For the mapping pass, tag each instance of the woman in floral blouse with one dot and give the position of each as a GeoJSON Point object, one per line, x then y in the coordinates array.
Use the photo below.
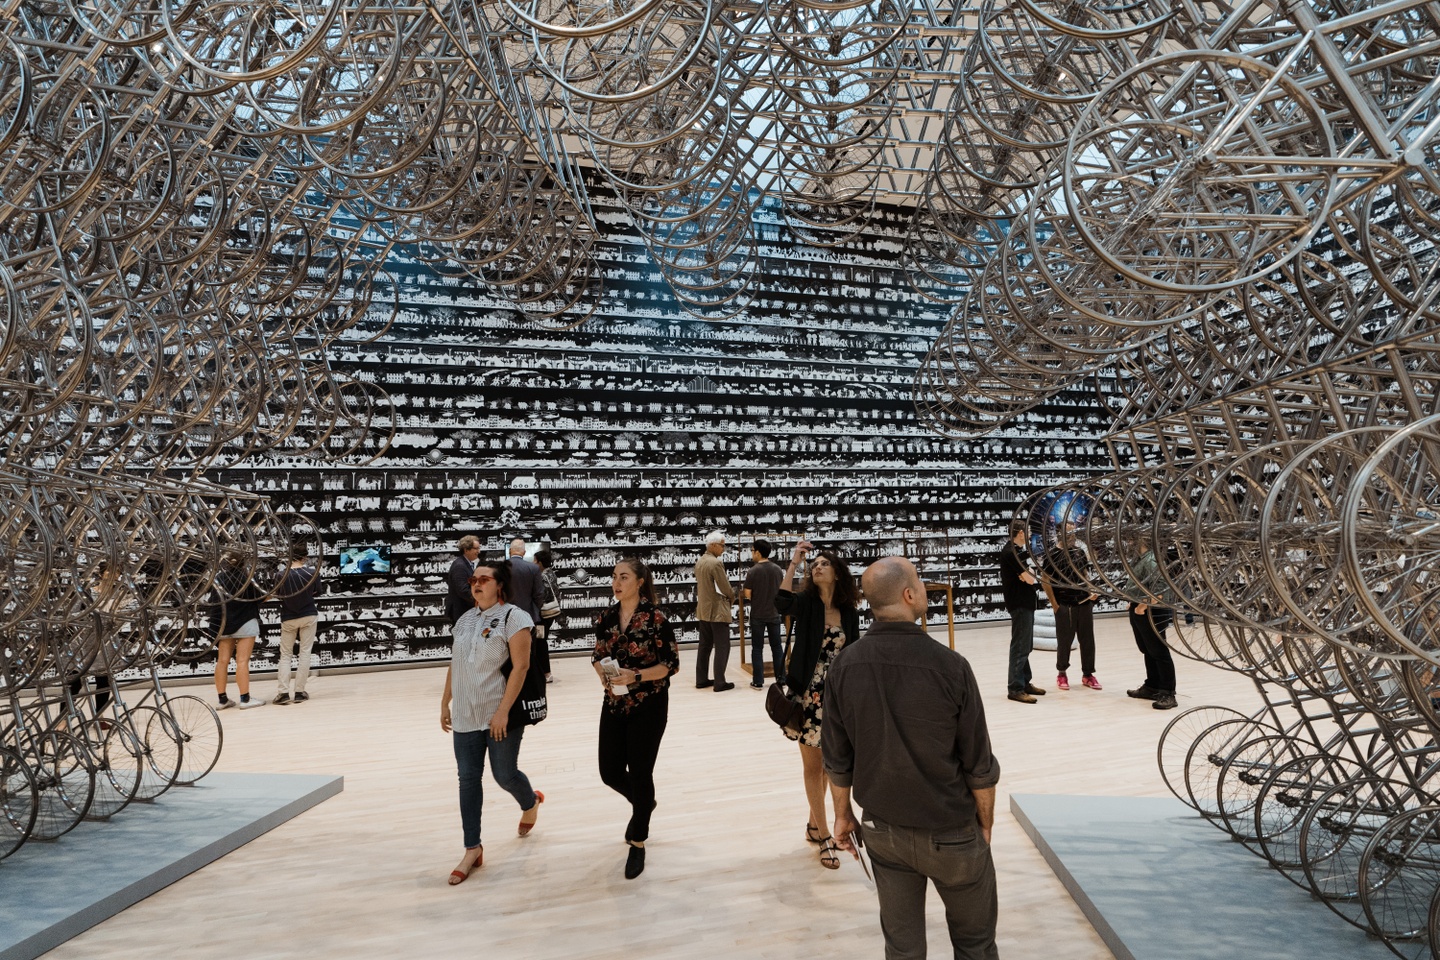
{"type": "Point", "coordinates": [640, 640]}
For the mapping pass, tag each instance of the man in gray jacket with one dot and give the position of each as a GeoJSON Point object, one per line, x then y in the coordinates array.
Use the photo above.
{"type": "Point", "coordinates": [527, 585]}
{"type": "Point", "coordinates": [905, 730]}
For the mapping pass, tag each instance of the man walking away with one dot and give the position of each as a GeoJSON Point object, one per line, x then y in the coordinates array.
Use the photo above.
{"type": "Point", "coordinates": [762, 583]}
{"type": "Point", "coordinates": [298, 617]}
{"type": "Point", "coordinates": [457, 579]}
{"type": "Point", "coordinates": [527, 584]}
{"type": "Point", "coordinates": [1018, 584]}
{"type": "Point", "coordinates": [905, 730]}
{"type": "Point", "coordinates": [713, 598]}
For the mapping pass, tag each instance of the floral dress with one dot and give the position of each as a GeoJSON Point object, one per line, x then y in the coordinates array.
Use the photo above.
{"type": "Point", "coordinates": [812, 700]}
{"type": "Point", "coordinates": [647, 639]}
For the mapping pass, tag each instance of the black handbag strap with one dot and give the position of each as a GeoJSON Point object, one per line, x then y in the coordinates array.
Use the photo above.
{"type": "Point", "coordinates": [784, 664]}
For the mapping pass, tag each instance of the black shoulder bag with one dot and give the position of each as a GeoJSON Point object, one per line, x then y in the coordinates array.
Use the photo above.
{"type": "Point", "coordinates": [532, 706]}
{"type": "Point", "coordinates": [784, 708]}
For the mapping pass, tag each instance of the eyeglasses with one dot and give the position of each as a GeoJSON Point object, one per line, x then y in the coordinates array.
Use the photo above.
{"type": "Point", "coordinates": [480, 578]}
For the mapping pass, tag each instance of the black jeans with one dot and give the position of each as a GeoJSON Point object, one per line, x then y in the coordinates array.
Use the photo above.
{"type": "Point", "coordinates": [958, 862]}
{"type": "Point", "coordinates": [1070, 622]}
{"type": "Point", "coordinates": [1150, 638]}
{"type": "Point", "coordinates": [759, 627]}
{"type": "Point", "coordinates": [544, 654]}
{"type": "Point", "coordinates": [713, 636]}
{"type": "Point", "coordinates": [1022, 641]}
{"type": "Point", "coordinates": [629, 744]}
{"type": "Point", "coordinates": [102, 690]}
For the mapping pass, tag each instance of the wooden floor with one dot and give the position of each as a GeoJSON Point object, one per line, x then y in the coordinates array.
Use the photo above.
{"type": "Point", "coordinates": [728, 875]}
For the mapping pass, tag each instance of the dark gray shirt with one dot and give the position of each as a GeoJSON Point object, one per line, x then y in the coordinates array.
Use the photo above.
{"type": "Point", "coordinates": [904, 728]}
{"type": "Point", "coordinates": [763, 582]}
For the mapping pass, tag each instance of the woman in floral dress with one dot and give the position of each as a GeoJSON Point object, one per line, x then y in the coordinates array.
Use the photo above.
{"type": "Point", "coordinates": [823, 619]}
{"type": "Point", "coordinates": [641, 642]}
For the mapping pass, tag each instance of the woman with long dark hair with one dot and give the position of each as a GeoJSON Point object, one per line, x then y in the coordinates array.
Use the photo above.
{"type": "Point", "coordinates": [475, 708]}
{"type": "Point", "coordinates": [824, 617]}
{"type": "Point", "coordinates": [635, 656]}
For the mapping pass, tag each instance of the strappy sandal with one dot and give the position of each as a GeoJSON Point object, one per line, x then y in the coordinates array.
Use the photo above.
{"type": "Point", "coordinates": [525, 828]}
{"type": "Point", "coordinates": [812, 833]}
{"type": "Point", "coordinates": [460, 876]}
{"type": "Point", "coordinates": [829, 854]}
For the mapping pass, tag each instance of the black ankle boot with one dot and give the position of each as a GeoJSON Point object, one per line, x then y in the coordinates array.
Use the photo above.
{"type": "Point", "coordinates": [635, 863]}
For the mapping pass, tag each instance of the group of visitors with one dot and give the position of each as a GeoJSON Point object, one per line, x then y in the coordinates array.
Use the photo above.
{"type": "Point", "coordinates": [236, 625]}
{"type": "Point", "coordinates": [928, 801]}
{"type": "Point", "coordinates": [1067, 566]}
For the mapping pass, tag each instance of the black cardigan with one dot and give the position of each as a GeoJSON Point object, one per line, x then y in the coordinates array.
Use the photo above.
{"type": "Point", "coordinates": [807, 633]}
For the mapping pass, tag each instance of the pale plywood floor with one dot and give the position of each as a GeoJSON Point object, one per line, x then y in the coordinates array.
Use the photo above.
{"type": "Point", "coordinates": [729, 874]}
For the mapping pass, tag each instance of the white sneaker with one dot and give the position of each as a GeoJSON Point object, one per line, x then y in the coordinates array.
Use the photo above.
{"type": "Point", "coordinates": [252, 702]}
{"type": "Point", "coordinates": [224, 704]}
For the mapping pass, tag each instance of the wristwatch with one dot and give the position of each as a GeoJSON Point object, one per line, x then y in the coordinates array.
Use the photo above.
{"type": "Point", "coordinates": [637, 677]}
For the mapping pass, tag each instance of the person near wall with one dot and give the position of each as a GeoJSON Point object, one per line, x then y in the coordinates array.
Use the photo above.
{"type": "Point", "coordinates": [235, 620]}
{"type": "Point", "coordinates": [762, 584]}
{"type": "Point", "coordinates": [549, 608]}
{"type": "Point", "coordinates": [110, 602]}
{"type": "Point", "coordinates": [1067, 565]}
{"type": "Point", "coordinates": [635, 639]}
{"type": "Point", "coordinates": [1148, 622]}
{"type": "Point", "coordinates": [824, 619]}
{"type": "Point", "coordinates": [458, 598]}
{"type": "Point", "coordinates": [299, 615]}
{"type": "Point", "coordinates": [527, 584]}
{"type": "Point", "coordinates": [475, 707]}
{"type": "Point", "coordinates": [905, 738]}
{"type": "Point", "coordinates": [1018, 585]}
{"type": "Point", "coordinates": [713, 599]}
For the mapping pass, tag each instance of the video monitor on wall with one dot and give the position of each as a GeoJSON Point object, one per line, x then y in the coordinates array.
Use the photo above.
{"type": "Point", "coordinates": [364, 561]}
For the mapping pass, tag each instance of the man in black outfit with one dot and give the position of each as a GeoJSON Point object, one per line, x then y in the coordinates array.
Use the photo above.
{"type": "Point", "coordinates": [905, 729]}
{"type": "Point", "coordinates": [527, 583]}
{"type": "Point", "coordinates": [1148, 622]}
{"type": "Point", "coordinates": [457, 580]}
{"type": "Point", "coordinates": [1021, 601]}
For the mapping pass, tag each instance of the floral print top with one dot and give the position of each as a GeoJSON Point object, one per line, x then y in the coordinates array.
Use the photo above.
{"type": "Point", "coordinates": [646, 640]}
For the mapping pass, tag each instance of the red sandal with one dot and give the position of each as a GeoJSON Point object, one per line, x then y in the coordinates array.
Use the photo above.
{"type": "Point", "coordinates": [525, 828]}
{"type": "Point", "coordinates": [460, 876]}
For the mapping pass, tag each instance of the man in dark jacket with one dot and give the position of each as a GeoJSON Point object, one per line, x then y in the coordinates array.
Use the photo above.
{"type": "Point", "coordinates": [527, 582]}
{"type": "Point", "coordinates": [1018, 584]}
{"type": "Point", "coordinates": [905, 729]}
{"type": "Point", "coordinates": [457, 581]}
{"type": "Point", "coordinates": [299, 615]}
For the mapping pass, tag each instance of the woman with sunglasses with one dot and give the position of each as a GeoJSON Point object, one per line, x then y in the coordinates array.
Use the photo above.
{"type": "Point", "coordinates": [638, 642]}
{"type": "Point", "coordinates": [475, 708]}
{"type": "Point", "coordinates": [823, 619]}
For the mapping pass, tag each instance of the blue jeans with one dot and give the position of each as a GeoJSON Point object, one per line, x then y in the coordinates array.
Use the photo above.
{"type": "Point", "coordinates": [1022, 641]}
{"type": "Point", "coordinates": [759, 627]}
{"type": "Point", "coordinates": [906, 860]}
{"type": "Point", "coordinates": [470, 750]}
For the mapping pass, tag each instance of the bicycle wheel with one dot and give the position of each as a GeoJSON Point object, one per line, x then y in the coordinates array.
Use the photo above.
{"type": "Point", "coordinates": [1335, 833]}
{"type": "Point", "coordinates": [115, 751]}
{"type": "Point", "coordinates": [201, 734]}
{"type": "Point", "coordinates": [1178, 737]}
{"type": "Point", "coordinates": [1206, 758]}
{"type": "Point", "coordinates": [1290, 791]}
{"type": "Point", "coordinates": [19, 802]}
{"type": "Point", "coordinates": [65, 777]}
{"type": "Point", "coordinates": [162, 747]}
{"type": "Point", "coordinates": [1399, 873]}
{"type": "Point", "coordinates": [1245, 772]}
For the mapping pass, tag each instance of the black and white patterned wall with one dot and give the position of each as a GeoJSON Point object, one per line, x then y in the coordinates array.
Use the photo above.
{"type": "Point", "coordinates": [644, 428]}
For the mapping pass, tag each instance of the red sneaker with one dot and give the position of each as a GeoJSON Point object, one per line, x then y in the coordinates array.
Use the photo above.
{"type": "Point", "coordinates": [1091, 682]}
{"type": "Point", "coordinates": [1062, 682]}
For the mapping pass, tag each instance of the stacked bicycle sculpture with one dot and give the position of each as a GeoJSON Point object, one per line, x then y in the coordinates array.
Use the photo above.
{"type": "Point", "coordinates": [1228, 216]}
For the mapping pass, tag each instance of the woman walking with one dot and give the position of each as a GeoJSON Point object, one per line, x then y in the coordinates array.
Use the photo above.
{"type": "Point", "coordinates": [638, 642]}
{"type": "Point", "coordinates": [235, 619]}
{"type": "Point", "coordinates": [823, 619]}
{"type": "Point", "coordinates": [475, 708]}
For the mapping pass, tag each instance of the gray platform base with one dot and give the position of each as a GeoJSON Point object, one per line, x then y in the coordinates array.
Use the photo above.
{"type": "Point", "coordinates": [50, 892]}
{"type": "Point", "coordinates": [1159, 883]}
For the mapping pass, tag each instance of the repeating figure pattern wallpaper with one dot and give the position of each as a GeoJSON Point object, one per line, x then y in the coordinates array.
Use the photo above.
{"type": "Point", "coordinates": [644, 428]}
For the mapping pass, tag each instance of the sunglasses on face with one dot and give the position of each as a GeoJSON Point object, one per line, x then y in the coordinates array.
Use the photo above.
{"type": "Point", "coordinates": [480, 578]}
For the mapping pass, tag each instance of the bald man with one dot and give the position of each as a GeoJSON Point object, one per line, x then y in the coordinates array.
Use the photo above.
{"type": "Point", "coordinates": [527, 586]}
{"type": "Point", "coordinates": [904, 730]}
